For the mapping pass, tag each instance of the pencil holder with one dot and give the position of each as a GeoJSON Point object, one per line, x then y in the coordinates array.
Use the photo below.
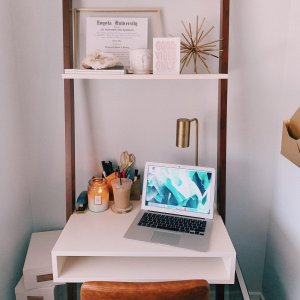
{"type": "Point", "coordinates": [136, 190]}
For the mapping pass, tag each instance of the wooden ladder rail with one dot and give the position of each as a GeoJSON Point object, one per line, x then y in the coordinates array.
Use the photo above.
{"type": "Point", "coordinates": [69, 121]}
{"type": "Point", "coordinates": [69, 109]}
{"type": "Point", "coordinates": [222, 121]}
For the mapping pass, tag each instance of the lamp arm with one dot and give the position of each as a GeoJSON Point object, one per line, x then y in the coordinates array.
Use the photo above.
{"type": "Point", "coordinates": [197, 129]}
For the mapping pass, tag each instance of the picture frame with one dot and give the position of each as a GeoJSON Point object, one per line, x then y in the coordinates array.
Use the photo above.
{"type": "Point", "coordinates": [80, 16]}
{"type": "Point", "coordinates": [166, 55]}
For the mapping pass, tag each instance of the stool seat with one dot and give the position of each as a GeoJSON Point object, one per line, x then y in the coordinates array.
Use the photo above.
{"type": "Point", "coordinates": [166, 290]}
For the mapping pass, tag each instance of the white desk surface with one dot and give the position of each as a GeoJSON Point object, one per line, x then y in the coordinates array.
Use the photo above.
{"type": "Point", "coordinates": [92, 247]}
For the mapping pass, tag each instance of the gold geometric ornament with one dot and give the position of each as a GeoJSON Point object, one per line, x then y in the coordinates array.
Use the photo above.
{"type": "Point", "coordinates": [193, 47]}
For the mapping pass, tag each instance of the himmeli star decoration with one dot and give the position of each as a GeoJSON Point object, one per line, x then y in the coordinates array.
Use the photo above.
{"type": "Point", "coordinates": [193, 48]}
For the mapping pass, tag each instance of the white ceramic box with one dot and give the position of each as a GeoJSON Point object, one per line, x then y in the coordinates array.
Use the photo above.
{"type": "Point", "coordinates": [51, 292]}
{"type": "Point", "coordinates": [37, 270]}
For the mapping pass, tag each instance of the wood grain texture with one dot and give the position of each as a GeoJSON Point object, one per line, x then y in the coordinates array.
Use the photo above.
{"type": "Point", "coordinates": [69, 110]}
{"type": "Point", "coordinates": [222, 121]}
{"type": "Point", "coordinates": [222, 110]}
{"type": "Point", "coordinates": [168, 290]}
{"type": "Point", "coordinates": [69, 121]}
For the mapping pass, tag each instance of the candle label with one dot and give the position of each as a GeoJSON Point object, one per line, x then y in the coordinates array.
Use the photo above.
{"type": "Point", "coordinates": [98, 200]}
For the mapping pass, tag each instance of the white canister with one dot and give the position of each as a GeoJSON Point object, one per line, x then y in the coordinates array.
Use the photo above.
{"type": "Point", "coordinates": [140, 61]}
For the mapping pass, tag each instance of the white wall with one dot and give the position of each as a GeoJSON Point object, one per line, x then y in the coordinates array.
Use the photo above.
{"type": "Point", "coordinates": [31, 129]}
{"type": "Point", "coordinates": [264, 90]}
{"type": "Point", "coordinates": [15, 212]}
{"type": "Point", "coordinates": [38, 27]}
{"type": "Point", "coordinates": [283, 244]}
{"type": "Point", "coordinates": [256, 63]}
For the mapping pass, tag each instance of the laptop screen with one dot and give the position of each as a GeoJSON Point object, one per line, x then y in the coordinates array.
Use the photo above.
{"type": "Point", "coordinates": [179, 189]}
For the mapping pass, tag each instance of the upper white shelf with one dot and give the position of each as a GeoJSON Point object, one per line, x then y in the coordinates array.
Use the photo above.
{"type": "Point", "coordinates": [75, 75]}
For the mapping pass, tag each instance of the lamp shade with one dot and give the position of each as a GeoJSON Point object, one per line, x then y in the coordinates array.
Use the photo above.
{"type": "Point", "coordinates": [183, 133]}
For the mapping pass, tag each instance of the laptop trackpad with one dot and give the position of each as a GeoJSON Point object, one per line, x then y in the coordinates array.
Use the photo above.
{"type": "Point", "coordinates": [163, 237]}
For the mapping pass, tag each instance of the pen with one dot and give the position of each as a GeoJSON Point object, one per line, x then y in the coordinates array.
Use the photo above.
{"type": "Point", "coordinates": [135, 177]}
{"type": "Point", "coordinates": [110, 167]}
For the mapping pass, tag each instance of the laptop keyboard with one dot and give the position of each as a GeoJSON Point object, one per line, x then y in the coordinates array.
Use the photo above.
{"type": "Point", "coordinates": [173, 223]}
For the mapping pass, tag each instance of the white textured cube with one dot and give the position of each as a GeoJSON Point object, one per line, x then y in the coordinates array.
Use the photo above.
{"type": "Point", "coordinates": [37, 270]}
{"type": "Point", "coordinates": [50, 292]}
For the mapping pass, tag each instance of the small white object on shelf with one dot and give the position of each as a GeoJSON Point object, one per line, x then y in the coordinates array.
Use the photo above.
{"type": "Point", "coordinates": [140, 61]}
{"type": "Point", "coordinates": [99, 60]}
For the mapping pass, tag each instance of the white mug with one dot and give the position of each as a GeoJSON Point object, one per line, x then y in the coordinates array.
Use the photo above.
{"type": "Point", "coordinates": [140, 61]}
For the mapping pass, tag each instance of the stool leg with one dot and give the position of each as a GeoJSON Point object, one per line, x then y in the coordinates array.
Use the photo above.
{"type": "Point", "coordinates": [72, 291]}
{"type": "Point", "coordinates": [220, 290]}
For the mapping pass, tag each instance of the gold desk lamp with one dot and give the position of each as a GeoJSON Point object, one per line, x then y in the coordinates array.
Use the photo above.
{"type": "Point", "coordinates": [183, 134]}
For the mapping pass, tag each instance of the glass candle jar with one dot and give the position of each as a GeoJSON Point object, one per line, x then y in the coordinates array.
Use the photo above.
{"type": "Point", "coordinates": [98, 195]}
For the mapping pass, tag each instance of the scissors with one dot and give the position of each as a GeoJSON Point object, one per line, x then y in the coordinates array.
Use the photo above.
{"type": "Point", "coordinates": [126, 160]}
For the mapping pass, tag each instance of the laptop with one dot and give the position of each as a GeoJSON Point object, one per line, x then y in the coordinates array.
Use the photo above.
{"type": "Point", "coordinates": [176, 207]}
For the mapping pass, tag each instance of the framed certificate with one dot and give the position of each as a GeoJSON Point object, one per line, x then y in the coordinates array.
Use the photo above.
{"type": "Point", "coordinates": [116, 36]}
{"type": "Point", "coordinates": [114, 30]}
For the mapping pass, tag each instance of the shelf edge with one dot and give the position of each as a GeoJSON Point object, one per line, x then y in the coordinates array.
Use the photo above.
{"type": "Point", "coordinates": [145, 77]}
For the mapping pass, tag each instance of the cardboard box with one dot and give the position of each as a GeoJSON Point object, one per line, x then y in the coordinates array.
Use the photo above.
{"type": "Point", "coordinates": [51, 292]}
{"type": "Point", "coordinates": [290, 144]}
{"type": "Point", "coordinates": [37, 270]}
